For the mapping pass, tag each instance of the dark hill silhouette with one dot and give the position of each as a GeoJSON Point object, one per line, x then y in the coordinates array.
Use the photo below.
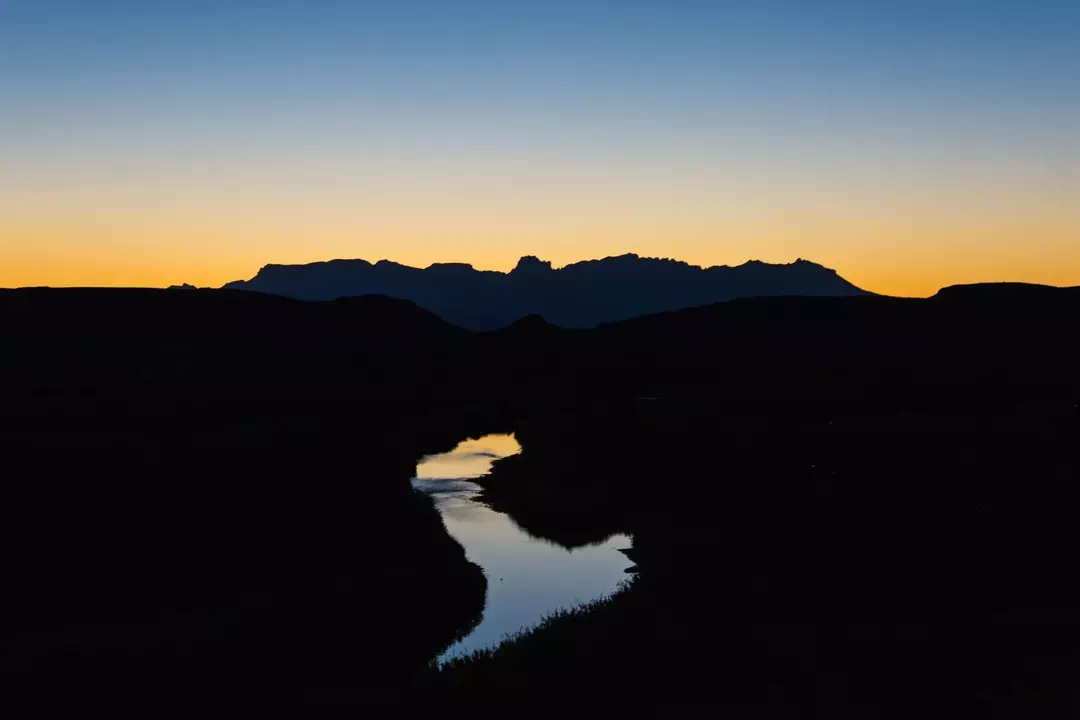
{"type": "Point", "coordinates": [200, 482]}
{"type": "Point", "coordinates": [877, 490]}
{"type": "Point", "coordinates": [849, 501]}
{"type": "Point", "coordinates": [221, 319]}
{"type": "Point", "coordinates": [1007, 292]}
{"type": "Point", "coordinates": [580, 295]}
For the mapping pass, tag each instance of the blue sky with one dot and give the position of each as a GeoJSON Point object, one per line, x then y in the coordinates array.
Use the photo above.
{"type": "Point", "coordinates": [636, 104]}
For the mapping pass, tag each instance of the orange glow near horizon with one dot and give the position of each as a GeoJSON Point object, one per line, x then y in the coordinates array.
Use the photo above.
{"type": "Point", "coordinates": [152, 219]}
{"type": "Point", "coordinates": [907, 148]}
{"type": "Point", "coordinates": [906, 260]}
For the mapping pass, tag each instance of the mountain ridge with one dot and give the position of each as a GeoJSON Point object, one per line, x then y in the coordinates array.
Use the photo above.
{"type": "Point", "coordinates": [581, 294]}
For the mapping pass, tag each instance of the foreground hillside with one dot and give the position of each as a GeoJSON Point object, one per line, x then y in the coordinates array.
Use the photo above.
{"type": "Point", "coordinates": [851, 506]}
{"type": "Point", "coordinates": [840, 507]}
{"type": "Point", "coordinates": [206, 499]}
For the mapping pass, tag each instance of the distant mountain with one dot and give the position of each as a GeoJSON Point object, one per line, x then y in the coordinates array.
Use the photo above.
{"type": "Point", "coordinates": [584, 294]}
{"type": "Point", "coordinates": [1007, 292]}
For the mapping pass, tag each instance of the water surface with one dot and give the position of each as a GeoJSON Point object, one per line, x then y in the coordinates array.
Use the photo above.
{"type": "Point", "coordinates": [528, 577]}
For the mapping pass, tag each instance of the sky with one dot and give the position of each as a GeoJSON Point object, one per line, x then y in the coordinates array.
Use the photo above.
{"type": "Point", "coordinates": [909, 145]}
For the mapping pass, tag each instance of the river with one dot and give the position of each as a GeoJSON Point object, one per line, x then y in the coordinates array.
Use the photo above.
{"type": "Point", "coordinates": [528, 577]}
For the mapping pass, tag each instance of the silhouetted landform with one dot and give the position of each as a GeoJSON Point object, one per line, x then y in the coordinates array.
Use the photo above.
{"type": "Point", "coordinates": [841, 506]}
{"type": "Point", "coordinates": [581, 295]}
{"type": "Point", "coordinates": [569, 515]}
{"type": "Point", "coordinates": [1007, 293]}
{"type": "Point", "coordinates": [206, 498]}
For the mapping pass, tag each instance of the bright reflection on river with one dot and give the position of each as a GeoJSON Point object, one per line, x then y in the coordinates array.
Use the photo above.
{"type": "Point", "coordinates": [528, 578]}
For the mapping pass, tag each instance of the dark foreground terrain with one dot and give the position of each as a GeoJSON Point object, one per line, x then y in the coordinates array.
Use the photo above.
{"type": "Point", "coordinates": [845, 507]}
{"type": "Point", "coordinates": [206, 500]}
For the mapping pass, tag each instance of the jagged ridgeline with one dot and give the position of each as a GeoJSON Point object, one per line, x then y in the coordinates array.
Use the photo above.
{"type": "Point", "coordinates": [584, 294]}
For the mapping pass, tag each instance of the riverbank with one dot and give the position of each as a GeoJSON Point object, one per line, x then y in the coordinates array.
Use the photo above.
{"type": "Point", "coordinates": [802, 573]}
{"type": "Point", "coordinates": [529, 576]}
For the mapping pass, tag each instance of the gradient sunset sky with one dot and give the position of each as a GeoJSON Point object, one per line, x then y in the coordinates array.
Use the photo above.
{"type": "Point", "coordinates": [909, 145]}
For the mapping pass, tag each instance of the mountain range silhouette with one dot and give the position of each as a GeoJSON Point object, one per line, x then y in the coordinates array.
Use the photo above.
{"type": "Point", "coordinates": [580, 295]}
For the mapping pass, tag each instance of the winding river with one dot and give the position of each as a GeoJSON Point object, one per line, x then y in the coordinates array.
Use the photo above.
{"type": "Point", "coordinates": [528, 577]}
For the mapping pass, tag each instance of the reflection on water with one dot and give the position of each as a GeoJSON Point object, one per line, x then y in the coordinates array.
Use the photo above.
{"type": "Point", "coordinates": [470, 459]}
{"type": "Point", "coordinates": [528, 577]}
